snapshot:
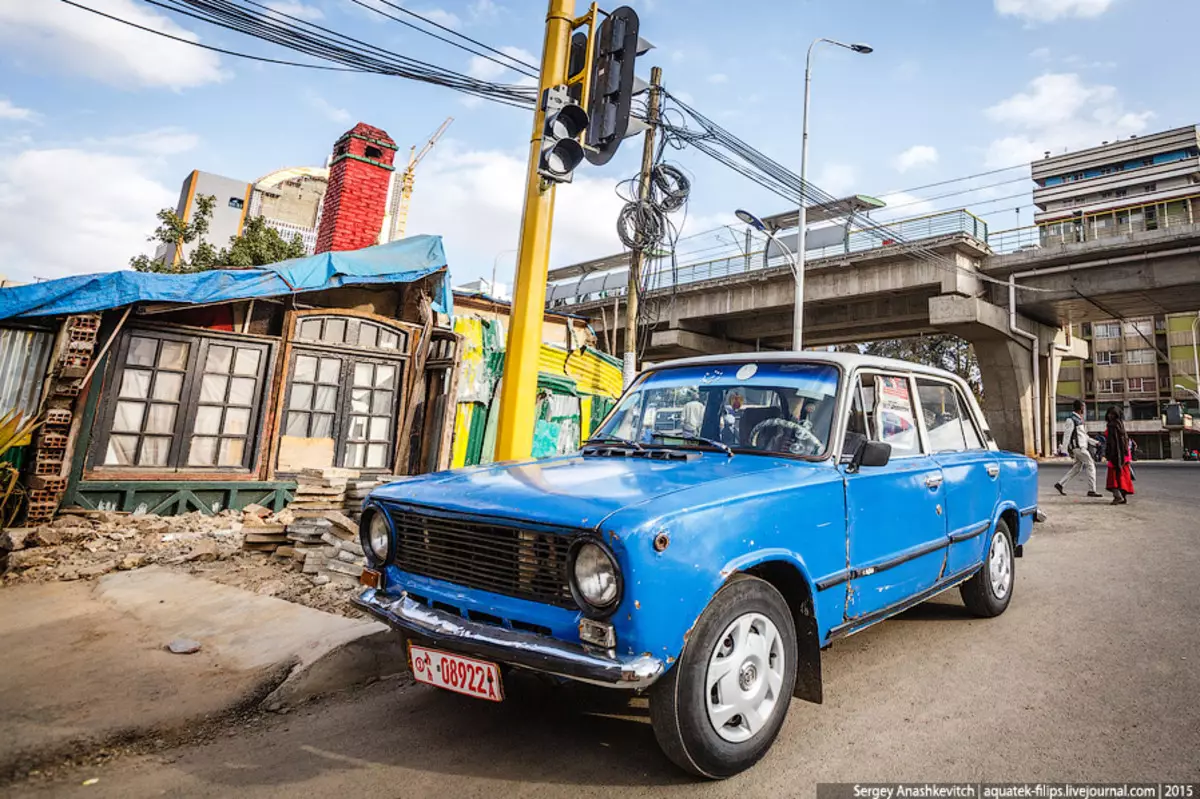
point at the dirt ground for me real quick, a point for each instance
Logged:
(85, 547)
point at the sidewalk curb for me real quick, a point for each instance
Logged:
(373, 655)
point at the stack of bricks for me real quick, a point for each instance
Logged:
(51, 467)
(355, 203)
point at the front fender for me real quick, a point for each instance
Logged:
(795, 514)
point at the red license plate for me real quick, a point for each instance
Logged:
(469, 676)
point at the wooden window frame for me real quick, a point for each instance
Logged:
(198, 341)
(403, 357)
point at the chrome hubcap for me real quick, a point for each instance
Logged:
(1000, 565)
(745, 677)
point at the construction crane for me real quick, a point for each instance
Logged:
(402, 184)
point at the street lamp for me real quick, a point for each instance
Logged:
(798, 315)
(1187, 390)
(756, 223)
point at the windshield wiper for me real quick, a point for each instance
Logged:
(625, 441)
(700, 440)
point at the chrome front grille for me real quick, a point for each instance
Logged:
(499, 558)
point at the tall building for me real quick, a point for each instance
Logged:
(290, 200)
(360, 175)
(1127, 186)
(1135, 365)
(228, 216)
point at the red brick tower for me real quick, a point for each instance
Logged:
(352, 214)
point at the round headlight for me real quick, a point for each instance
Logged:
(596, 577)
(378, 538)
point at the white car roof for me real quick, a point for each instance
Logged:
(847, 360)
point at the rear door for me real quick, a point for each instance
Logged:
(897, 533)
(971, 471)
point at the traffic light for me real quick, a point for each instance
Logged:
(613, 84)
(561, 149)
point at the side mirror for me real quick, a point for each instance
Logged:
(870, 453)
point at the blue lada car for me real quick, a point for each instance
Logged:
(730, 519)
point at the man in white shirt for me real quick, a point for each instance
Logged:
(1078, 446)
(692, 416)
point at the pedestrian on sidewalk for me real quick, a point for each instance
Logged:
(1119, 479)
(1078, 446)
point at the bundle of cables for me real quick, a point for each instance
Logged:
(642, 224)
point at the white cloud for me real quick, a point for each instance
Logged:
(837, 179)
(677, 56)
(1050, 10)
(718, 78)
(914, 157)
(494, 69)
(1040, 54)
(1057, 112)
(293, 8)
(441, 16)
(483, 12)
(16, 113)
(902, 205)
(57, 36)
(75, 210)
(328, 110)
(473, 199)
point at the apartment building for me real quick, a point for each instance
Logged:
(1126, 186)
(1140, 366)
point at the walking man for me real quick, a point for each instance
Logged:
(1075, 439)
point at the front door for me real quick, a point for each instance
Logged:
(897, 530)
(971, 471)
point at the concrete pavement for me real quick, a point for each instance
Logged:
(86, 664)
(1092, 674)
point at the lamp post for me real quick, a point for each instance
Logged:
(1187, 390)
(495, 265)
(802, 216)
(1196, 353)
(756, 223)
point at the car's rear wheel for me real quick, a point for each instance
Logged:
(717, 712)
(989, 591)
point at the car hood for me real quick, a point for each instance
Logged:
(570, 490)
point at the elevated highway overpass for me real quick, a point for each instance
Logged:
(944, 275)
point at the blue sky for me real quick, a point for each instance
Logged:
(99, 123)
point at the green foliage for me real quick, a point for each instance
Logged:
(258, 245)
(941, 350)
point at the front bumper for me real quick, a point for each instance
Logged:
(518, 648)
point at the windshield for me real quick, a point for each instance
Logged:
(778, 408)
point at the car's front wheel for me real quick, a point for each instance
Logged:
(718, 710)
(990, 590)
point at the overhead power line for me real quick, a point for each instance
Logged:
(222, 50)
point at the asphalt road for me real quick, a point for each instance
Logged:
(1092, 674)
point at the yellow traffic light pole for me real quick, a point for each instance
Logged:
(518, 395)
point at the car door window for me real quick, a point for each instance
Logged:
(970, 431)
(943, 416)
(892, 415)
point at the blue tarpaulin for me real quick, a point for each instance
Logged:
(403, 261)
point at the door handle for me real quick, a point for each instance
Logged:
(993, 469)
(933, 481)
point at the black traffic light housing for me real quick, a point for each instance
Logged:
(565, 120)
(613, 83)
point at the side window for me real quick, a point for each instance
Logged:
(970, 432)
(888, 409)
(943, 417)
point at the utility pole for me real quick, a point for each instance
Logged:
(638, 257)
(518, 398)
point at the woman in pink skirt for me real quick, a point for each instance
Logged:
(1119, 479)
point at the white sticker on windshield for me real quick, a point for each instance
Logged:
(748, 371)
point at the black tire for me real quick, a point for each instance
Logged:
(678, 709)
(978, 593)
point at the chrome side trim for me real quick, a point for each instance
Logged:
(515, 647)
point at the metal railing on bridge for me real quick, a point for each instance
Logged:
(1161, 215)
(662, 274)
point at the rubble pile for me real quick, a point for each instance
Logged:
(86, 545)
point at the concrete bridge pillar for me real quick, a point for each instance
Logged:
(1007, 369)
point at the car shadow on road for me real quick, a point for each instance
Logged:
(541, 733)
